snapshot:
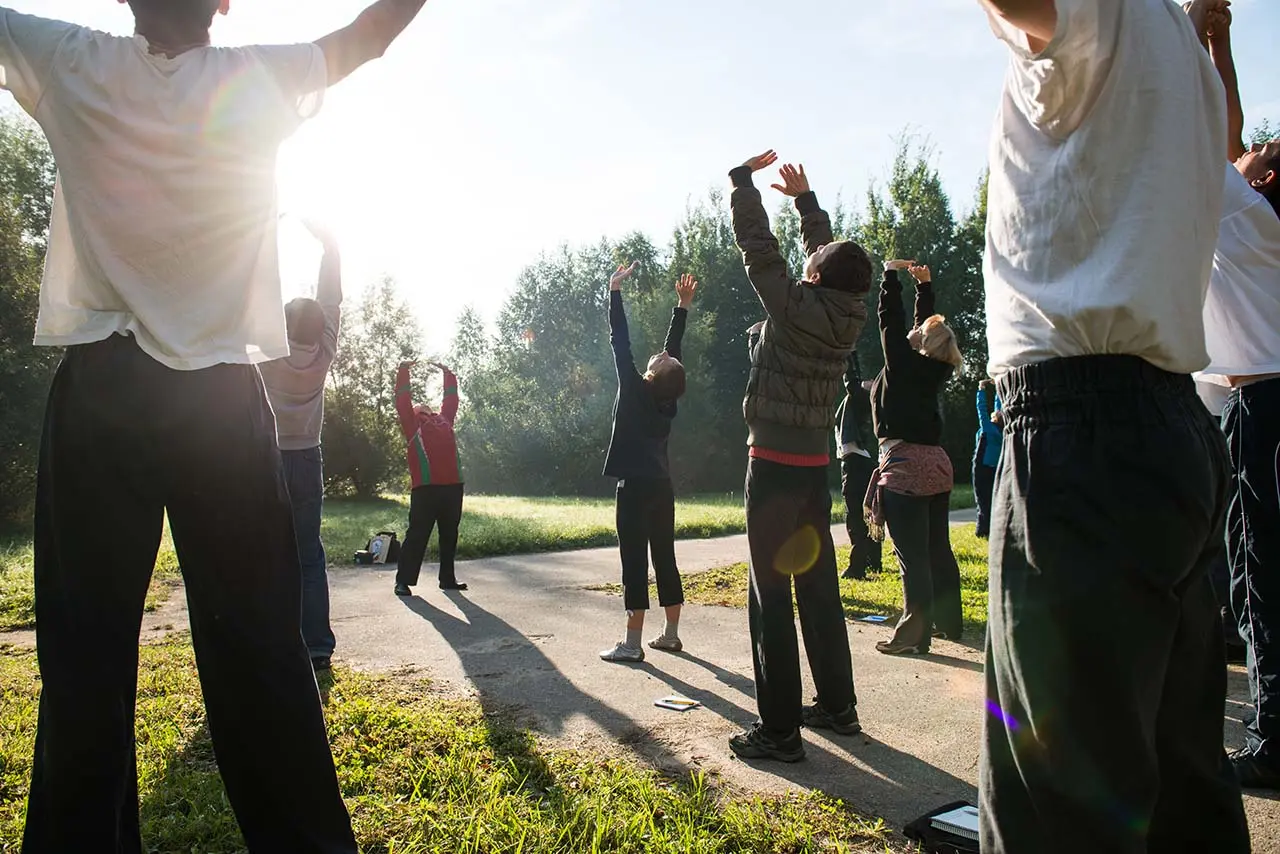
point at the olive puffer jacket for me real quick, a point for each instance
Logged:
(798, 353)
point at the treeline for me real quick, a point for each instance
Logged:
(538, 383)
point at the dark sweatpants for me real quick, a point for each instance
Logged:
(789, 535)
(855, 476)
(921, 530)
(429, 506)
(1252, 422)
(646, 516)
(1106, 673)
(126, 439)
(984, 484)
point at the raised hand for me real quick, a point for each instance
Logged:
(318, 230)
(762, 161)
(408, 363)
(1218, 23)
(920, 272)
(898, 264)
(794, 182)
(686, 287)
(622, 274)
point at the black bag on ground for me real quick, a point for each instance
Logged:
(388, 553)
(934, 840)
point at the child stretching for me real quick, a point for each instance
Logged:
(797, 361)
(437, 481)
(642, 415)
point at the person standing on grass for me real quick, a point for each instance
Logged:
(910, 490)
(986, 454)
(1105, 674)
(856, 466)
(798, 356)
(162, 282)
(1242, 333)
(295, 388)
(436, 471)
(642, 416)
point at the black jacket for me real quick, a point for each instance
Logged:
(854, 413)
(641, 425)
(905, 398)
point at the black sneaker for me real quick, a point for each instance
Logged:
(757, 743)
(321, 664)
(403, 590)
(452, 585)
(845, 723)
(854, 574)
(1254, 773)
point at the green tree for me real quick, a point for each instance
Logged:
(1264, 132)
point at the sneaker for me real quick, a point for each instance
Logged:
(1253, 772)
(854, 574)
(452, 585)
(403, 590)
(666, 644)
(623, 654)
(757, 743)
(321, 663)
(896, 648)
(845, 723)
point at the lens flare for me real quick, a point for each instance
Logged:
(799, 553)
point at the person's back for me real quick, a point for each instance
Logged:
(1105, 193)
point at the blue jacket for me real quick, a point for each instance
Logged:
(990, 437)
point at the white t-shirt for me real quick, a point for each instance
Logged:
(164, 213)
(1106, 189)
(1242, 311)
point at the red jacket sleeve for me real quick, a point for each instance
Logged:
(404, 404)
(449, 408)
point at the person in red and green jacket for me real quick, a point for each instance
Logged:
(437, 480)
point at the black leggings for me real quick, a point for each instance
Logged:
(921, 530)
(647, 524)
(430, 506)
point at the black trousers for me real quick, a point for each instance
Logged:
(126, 439)
(1252, 422)
(429, 506)
(1106, 671)
(646, 513)
(789, 536)
(984, 483)
(855, 477)
(921, 530)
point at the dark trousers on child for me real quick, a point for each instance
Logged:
(304, 472)
(1106, 673)
(855, 476)
(430, 506)
(984, 484)
(789, 536)
(125, 440)
(1252, 422)
(646, 514)
(921, 530)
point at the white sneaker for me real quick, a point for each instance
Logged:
(623, 653)
(666, 644)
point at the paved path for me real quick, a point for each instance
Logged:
(525, 637)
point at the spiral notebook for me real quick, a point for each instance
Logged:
(962, 822)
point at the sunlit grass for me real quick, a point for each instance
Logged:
(425, 774)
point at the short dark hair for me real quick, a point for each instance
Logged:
(183, 13)
(304, 318)
(1272, 192)
(843, 266)
(669, 383)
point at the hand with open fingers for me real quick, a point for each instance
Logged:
(920, 272)
(686, 287)
(622, 274)
(898, 264)
(762, 161)
(794, 182)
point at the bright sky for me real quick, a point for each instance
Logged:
(495, 130)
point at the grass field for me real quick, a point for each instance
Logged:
(423, 774)
(880, 594)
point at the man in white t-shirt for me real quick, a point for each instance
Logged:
(1106, 674)
(1242, 332)
(162, 282)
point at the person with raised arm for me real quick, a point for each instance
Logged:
(436, 471)
(1104, 200)
(1242, 333)
(162, 283)
(642, 415)
(798, 354)
(910, 490)
(295, 388)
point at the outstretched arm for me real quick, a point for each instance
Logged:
(766, 268)
(1219, 34)
(815, 224)
(329, 287)
(926, 300)
(893, 317)
(686, 287)
(619, 335)
(1037, 18)
(368, 37)
(404, 401)
(449, 406)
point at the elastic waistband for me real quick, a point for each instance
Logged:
(1116, 389)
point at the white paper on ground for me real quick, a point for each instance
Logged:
(677, 703)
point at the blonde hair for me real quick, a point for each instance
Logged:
(938, 341)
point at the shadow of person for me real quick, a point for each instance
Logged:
(734, 680)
